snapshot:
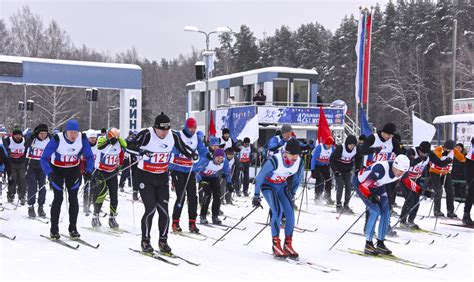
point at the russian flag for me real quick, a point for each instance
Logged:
(365, 87)
(360, 58)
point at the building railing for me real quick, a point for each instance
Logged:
(276, 104)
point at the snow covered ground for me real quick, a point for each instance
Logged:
(31, 257)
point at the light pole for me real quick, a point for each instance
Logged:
(207, 53)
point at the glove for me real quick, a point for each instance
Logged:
(427, 193)
(204, 184)
(256, 201)
(113, 140)
(145, 153)
(376, 150)
(230, 187)
(449, 160)
(337, 174)
(374, 198)
(210, 156)
(195, 156)
(313, 174)
(87, 176)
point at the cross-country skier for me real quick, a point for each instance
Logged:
(277, 142)
(272, 181)
(110, 150)
(320, 169)
(16, 149)
(88, 195)
(60, 163)
(35, 145)
(246, 159)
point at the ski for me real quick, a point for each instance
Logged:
(103, 231)
(121, 231)
(458, 225)
(40, 219)
(171, 255)
(306, 229)
(386, 239)
(188, 235)
(229, 226)
(7, 237)
(80, 241)
(391, 258)
(296, 229)
(3, 218)
(449, 235)
(154, 256)
(220, 227)
(301, 262)
(61, 242)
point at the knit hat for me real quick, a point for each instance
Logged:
(190, 123)
(229, 150)
(351, 139)
(219, 152)
(293, 147)
(17, 130)
(362, 137)
(225, 130)
(41, 127)
(425, 147)
(246, 140)
(162, 121)
(286, 128)
(449, 144)
(214, 141)
(402, 163)
(91, 133)
(72, 125)
(389, 128)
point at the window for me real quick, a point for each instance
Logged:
(300, 92)
(197, 101)
(280, 92)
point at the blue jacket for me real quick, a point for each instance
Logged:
(53, 146)
(201, 165)
(201, 150)
(315, 157)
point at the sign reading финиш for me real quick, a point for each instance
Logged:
(133, 113)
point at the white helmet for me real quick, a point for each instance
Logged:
(91, 133)
(402, 163)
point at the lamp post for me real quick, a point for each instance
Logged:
(207, 54)
(25, 105)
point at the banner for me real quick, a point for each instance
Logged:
(422, 131)
(234, 119)
(359, 48)
(250, 130)
(302, 116)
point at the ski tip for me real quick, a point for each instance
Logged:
(432, 242)
(408, 242)
(455, 235)
(443, 266)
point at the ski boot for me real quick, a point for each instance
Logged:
(288, 248)
(238, 193)
(452, 215)
(192, 226)
(382, 249)
(10, 198)
(135, 195)
(370, 249)
(203, 219)
(31, 211)
(278, 252)
(74, 234)
(466, 219)
(146, 246)
(175, 226)
(329, 201)
(112, 222)
(404, 225)
(22, 201)
(348, 210)
(216, 220)
(95, 220)
(246, 193)
(121, 189)
(392, 233)
(438, 214)
(413, 225)
(41, 212)
(163, 246)
(221, 213)
(54, 235)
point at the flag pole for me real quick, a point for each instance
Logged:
(368, 61)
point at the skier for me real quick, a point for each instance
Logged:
(245, 158)
(16, 149)
(208, 174)
(272, 181)
(154, 145)
(125, 175)
(320, 169)
(35, 145)
(226, 141)
(469, 173)
(342, 161)
(419, 157)
(60, 163)
(232, 160)
(88, 194)
(370, 184)
(109, 156)
(182, 171)
(441, 177)
(214, 143)
(277, 142)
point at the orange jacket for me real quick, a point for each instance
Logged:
(447, 169)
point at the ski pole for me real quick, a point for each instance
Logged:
(240, 221)
(181, 200)
(301, 202)
(408, 213)
(133, 201)
(444, 183)
(348, 229)
(261, 230)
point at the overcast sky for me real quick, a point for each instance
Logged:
(155, 28)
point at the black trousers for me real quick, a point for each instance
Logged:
(125, 174)
(245, 180)
(18, 172)
(71, 178)
(437, 182)
(411, 199)
(102, 186)
(212, 189)
(322, 183)
(154, 191)
(469, 174)
(36, 180)
(343, 183)
(180, 179)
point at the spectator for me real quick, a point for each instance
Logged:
(260, 98)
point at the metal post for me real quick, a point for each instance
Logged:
(24, 110)
(90, 114)
(453, 73)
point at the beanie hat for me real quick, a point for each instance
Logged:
(16, 130)
(286, 128)
(225, 130)
(362, 137)
(449, 144)
(351, 139)
(329, 140)
(402, 163)
(219, 152)
(389, 128)
(246, 140)
(214, 141)
(190, 123)
(91, 133)
(162, 121)
(425, 147)
(41, 127)
(293, 147)
(229, 150)
(72, 125)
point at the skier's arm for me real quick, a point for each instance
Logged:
(297, 178)
(410, 184)
(267, 168)
(376, 173)
(226, 172)
(88, 155)
(141, 139)
(366, 149)
(437, 161)
(4, 159)
(202, 149)
(47, 153)
(411, 156)
(273, 144)
(180, 146)
(335, 157)
(314, 159)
